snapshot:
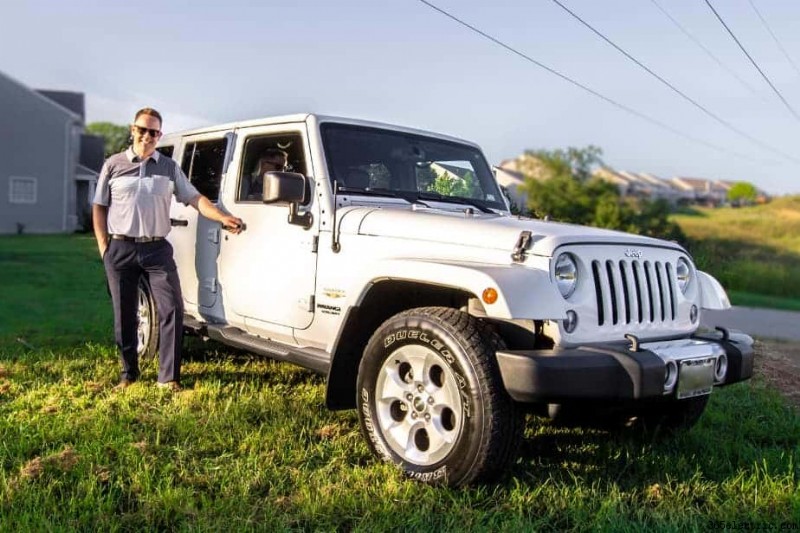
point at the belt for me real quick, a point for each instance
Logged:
(118, 237)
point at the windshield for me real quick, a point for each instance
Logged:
(408, 166)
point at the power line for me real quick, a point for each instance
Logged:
(675, 89)
(785, 53)
(585, 88)
(708, 52)
(753, 62)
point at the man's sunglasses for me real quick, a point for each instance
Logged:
(141, 131)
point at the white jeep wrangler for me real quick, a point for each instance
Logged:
(386, 258)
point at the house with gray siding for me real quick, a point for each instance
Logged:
(46, 178)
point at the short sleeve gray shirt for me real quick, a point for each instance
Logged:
(138, 193)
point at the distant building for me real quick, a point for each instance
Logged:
(511, 181)
(705, 191)
(511, 175)
(643, 185)
(48, 166)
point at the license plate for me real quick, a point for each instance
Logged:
(696, 377)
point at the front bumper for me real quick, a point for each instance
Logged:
(614, 371)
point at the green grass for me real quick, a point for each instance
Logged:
(250, 445)
(750, 250)
(53, 291)
(757, 300)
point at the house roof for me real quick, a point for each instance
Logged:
(612, 176)
(700, 185)
(85, 171)
(37, 95)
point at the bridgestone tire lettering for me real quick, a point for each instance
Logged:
(431, 401)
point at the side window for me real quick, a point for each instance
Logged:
(260, 151)
(166, 150)
(22, 190)
(202, 163)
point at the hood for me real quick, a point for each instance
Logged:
(480, 230)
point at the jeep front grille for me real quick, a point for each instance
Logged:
(634, 292)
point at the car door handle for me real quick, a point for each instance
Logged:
(177, 222)
(244, 227)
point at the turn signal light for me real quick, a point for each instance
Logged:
(489, 295)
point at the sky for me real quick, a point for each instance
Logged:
(402, 62)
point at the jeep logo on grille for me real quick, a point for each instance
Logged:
(630, 252)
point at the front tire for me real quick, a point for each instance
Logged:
(431, 400)
(147, 324)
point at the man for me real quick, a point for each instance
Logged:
(131, 221)
(272, 160)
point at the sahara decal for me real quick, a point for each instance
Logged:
(329, 309)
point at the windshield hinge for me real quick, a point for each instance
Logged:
(519, 249)
(335, 246)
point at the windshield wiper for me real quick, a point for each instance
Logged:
(432, 195)
(410, 198)
(368, 192)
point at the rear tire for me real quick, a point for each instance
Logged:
(431, 399)
(147, 324)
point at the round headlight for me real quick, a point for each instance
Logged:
(566, 272)
(683, 273)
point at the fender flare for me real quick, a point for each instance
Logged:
(522, 292)
(712, 295)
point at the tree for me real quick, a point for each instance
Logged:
(576, 162)
(449, 184)
(742, 193)
(566, 192)
(116, 137)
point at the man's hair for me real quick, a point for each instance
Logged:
(149, 111)
(273, 153)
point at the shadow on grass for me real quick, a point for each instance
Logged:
(208, 360)
(725, 444)
(742, 435)
(626, 459)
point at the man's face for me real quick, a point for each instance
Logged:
(277, 164)
(146, 131)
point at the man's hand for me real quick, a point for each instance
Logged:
(99, 220)
(209, 210)
(232, 224)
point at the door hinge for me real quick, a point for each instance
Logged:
(210, 285)
(314, 244)
(311, 303)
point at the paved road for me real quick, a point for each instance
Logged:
(762, 323)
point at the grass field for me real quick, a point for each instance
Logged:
(753, 251)
(250, 446)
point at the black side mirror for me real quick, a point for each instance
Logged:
(291, 188)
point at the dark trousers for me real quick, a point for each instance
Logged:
(125, 262)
